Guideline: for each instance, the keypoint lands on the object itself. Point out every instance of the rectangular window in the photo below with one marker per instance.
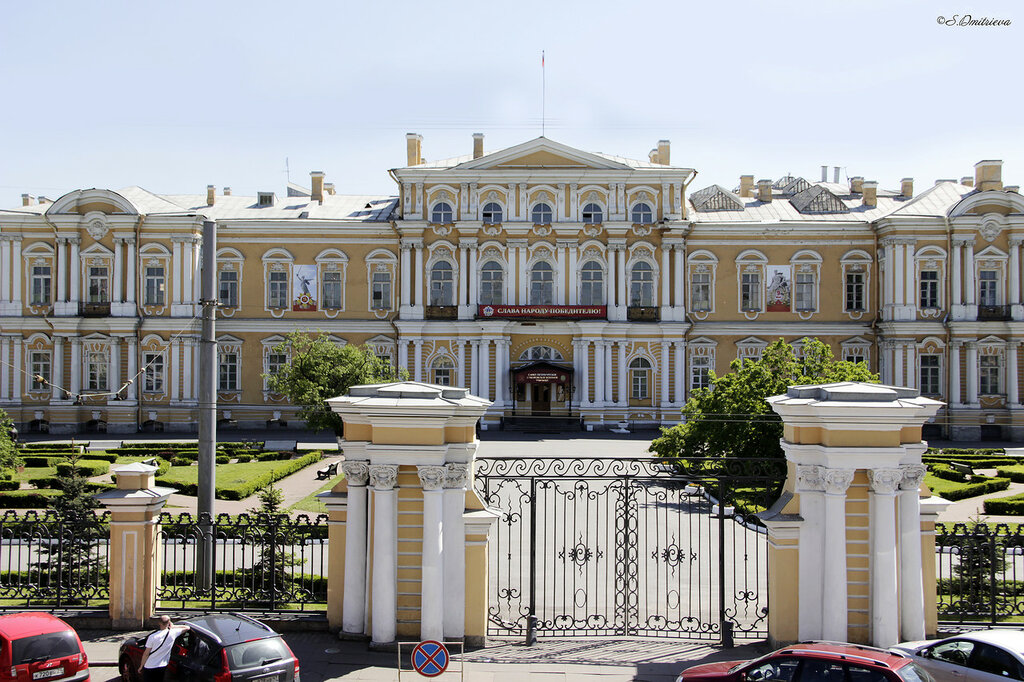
(700, 372)
(154, 377)
(988, 287)
(41, 282)
(277, 290)
(331, 299)
(930, 375)
(929, 289)
(228, 288)
(227, 372)
(855, 292)
(492, 286)
(641, 380)
(96, 368)
(750, 291)
(988, 375)
(155, 284)
(275, 361)
(98, 288)
(380, 291)
(443, 376)
(39, 365)
(700, 291)
(805, 298)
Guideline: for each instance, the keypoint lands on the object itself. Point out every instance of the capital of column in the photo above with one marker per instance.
(456, 476)
(383, 476)
(356, 472)
(517, 243)
(955, 343)
(567, 243)
(468, 242)
(971, 345)
(411, 243)
(885, 481)
(836, 481)
(963, 240)
(432, 477)
(74, 241)
(1016, 240)
(810, 478)
(913, 475)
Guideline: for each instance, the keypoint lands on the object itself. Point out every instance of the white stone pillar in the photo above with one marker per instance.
(1016, 309)
(16, 275)
(972, 373)
(353, 615)
(432, 576)
(885, 617)
(953, 394)
(132, 273)
(609, 381)
(810, 486)
(76, 367)
(910, 565)
(176, 267)
(474, 295)
(406, 265)
(834, 601)
(970, 282)
(572, 275)
(1012, 387)
(680, 371)
(620, 280)
(114, 368)
(57, 370)
(403, 354)
(197, 273)
(133, 368)
(174, 351)
(463, 275)
(5, 268)
(385, 552)
(623, 376)
(665, 277)
(501, 372)
(912, 372)
(417, 280)
(186, 364)
(117, 289)
(583, 351)
(485, 370)
(454, 539)
(474, 367)
(417, 359)
(957, 271)
(5, 369)
(680, 277)
(559, 296)
(888, 281)
(62, 269)
(899, 278)
(19, 366)
(663, 370)
(897, 365)
(599, 372)
(460, 364)
(75, 272)
(187, 259)
(909, 274)
(522, 274)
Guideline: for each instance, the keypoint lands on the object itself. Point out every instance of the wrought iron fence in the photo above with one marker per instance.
(979, 574)
(629, 546)
(54, 561)
(245, 562)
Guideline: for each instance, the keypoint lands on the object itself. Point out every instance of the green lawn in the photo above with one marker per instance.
(236, 481)
(310, 503)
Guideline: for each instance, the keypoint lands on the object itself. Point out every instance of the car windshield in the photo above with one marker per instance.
(752, 663)
(256, 653)
(43, 647)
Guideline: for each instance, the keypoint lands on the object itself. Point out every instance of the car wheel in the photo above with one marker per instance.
(128, 673)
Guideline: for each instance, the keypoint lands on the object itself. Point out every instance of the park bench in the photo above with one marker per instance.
(327, 471)
(964, 469)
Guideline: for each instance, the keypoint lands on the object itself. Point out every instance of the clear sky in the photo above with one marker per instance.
(173, 96)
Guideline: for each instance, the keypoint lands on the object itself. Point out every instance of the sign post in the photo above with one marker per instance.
(429, 658)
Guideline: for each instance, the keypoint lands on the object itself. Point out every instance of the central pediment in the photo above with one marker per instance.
(542, 153)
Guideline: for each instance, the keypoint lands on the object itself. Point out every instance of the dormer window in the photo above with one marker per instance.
(442, 213)
(642, 214)
(592, 214)
(492, 213)
(264, 199)
(542, 214)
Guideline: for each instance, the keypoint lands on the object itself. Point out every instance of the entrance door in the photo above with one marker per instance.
(541, 400)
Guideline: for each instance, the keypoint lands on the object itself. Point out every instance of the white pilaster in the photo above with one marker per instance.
(622, 376)
(971, 304)
(810, 486)
(16, 383)
(353, 615)
(406, 266)
(620, 281)
(474, 295)
(417, 359)
(474, 367)
(956, 309)
(665, 277)
(899, 278)
(176, 272)
(133, 369)
(186, 374)
(680, 371)
(174, 351)
(403, 354)
(1012, 387)
(953, 393)
(432, 576)
(561, 280)
(454, 539)
(460, 365)
(501, 372)
(75, 274)
(910, 565)
(888, 280)
(599, 373)
(572, 274)
(117, 289)
(61, 276)
(76, 367)
(912, 372)
(5, 369)
(385, 553)
(583, 351)
(885, 617)
(57, 370)
(972, 373)
(898, 355)
(609, 380)
(909, 298)
(834, 601)
(130, 245)
(485, 370)
(463, 298)
(417, 281)
(521, 273)
(5, 269)
(114, 368)
(16, 276)
(1016, 309)
(663, 371)
(679, 299)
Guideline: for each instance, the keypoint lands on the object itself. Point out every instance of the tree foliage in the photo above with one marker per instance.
(9, 458)
(79, 532)
(733, 418)
(319, 368)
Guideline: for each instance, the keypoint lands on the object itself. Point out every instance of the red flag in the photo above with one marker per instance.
(542, 59)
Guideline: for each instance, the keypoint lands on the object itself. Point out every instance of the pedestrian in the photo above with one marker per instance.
(153, 665)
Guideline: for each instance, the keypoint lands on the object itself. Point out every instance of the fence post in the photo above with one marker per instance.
(134, 554)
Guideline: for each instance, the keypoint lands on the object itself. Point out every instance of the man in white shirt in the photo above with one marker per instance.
(158, 650)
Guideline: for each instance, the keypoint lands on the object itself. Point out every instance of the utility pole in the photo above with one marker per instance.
(207, 406)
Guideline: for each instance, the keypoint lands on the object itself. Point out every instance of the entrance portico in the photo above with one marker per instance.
(542, 389)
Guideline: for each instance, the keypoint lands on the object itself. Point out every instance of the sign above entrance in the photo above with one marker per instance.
(570, 312)
(542, 373)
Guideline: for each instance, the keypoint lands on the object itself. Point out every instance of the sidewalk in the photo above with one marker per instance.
(324, 657)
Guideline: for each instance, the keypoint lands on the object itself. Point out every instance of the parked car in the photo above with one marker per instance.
(814, 662)
(981, 655)
(40, 646)
(223, 647)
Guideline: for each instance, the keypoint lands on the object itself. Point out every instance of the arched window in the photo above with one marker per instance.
(492, 213)
(640, 378)
(442, 213)
(542, 284)
(591, 284)
(492, 283)
(642, 214)
(542, 214)
(442, 371)
(641, 285)
(540, 353)
(442, 284)
(592, 214)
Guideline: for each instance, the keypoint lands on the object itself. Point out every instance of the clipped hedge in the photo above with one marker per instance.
(1009, 506)
(9, 485)
(974, 462)
(100, 454)
(1014, 472)
(965, 451)
(980, 485)
(35, 461)
(247, 488)
(6, 475)
(273, 456)
(87, 467)
(63, 447)
(44, 482)
(27, 499)
(946, 472)
(223, 459)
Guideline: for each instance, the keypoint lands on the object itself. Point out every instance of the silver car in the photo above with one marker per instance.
(983, 655)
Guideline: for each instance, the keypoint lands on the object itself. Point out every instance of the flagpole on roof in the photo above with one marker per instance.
(543, 95)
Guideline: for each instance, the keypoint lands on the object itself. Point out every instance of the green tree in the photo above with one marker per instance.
(319, 369)
(9, 458)
(275, 539)
(733, 418)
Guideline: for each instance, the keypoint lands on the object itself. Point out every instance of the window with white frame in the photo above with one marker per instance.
(98, 284)
(227, 370)
(749, 351)
(988, 375)
(492, 213)
(442, 284)
(640, 378)
(41, 285)
(275, 361)
(988, 287)
(806, 288)
(930, 374)
(591, 283)
(227, 288)
(97, 366)
(592, 214)
(855, 300)
(700, 290)
(642, 213)
(542, 214)
(492, 283)
(442, 213)
(442, 371)
(641, 285)
(928, 282)
(331, 284)
(750, 290)
(380, 290)
(153, 364)
(154, 285)
(40, 367)
(539, 353)
(277, 289)
(542, 284)
(855, 353)
(700, 372)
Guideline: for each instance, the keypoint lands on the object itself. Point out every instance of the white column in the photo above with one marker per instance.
(353, 611)
(186, 374)
(175, 364)
(599, 372)
(910, 300)
(197, 272)
(897, 365)
(501, 372)
(432, 594)
(186, 271)
(75, 271)
(461, 363)
(474, 367)
(485, 370)
(583, 350)
(663, 369)
(76, 367)
(958, 291)
(474, 295)
(666, 278)
(117, 295)
(133, 368)
(418, 276)
(680, 371)
(1016, 309)
(57, 369)
(834, 602)
(953, 394)
(114, 369)
(1012, 389)
(5, 370)
(561, 297)
(463, 275)
(912, 372)
(609, 380)
(176, 269)
(680, 276)
(385, 552)
(969, 281)
(620, 280)
(888, 287)
(622, 376)
(571, 275)
(417, 359)
(62, 269)
(406, 274)
(16, 376)
(403, 354)
(523, 275)
(5, 268)
(810, 487)
(896, 250)
(972, 373)
(911, 578)
(132, 275)
(885, 618)
(16, 272)
(454, 539)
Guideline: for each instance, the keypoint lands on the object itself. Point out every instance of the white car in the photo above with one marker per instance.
(982, 655)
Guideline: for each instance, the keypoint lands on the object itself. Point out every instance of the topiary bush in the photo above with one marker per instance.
(223, 459)
(27, 499)
(946, 472)
(7, 484)
(87, 467)
(1008, 506)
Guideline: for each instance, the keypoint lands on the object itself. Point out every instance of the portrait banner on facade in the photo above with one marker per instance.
(779, 289)
(304, 286)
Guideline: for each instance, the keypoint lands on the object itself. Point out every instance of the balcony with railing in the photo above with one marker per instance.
(94, 309)
(442, 312)
(994, 313)
(643, 313)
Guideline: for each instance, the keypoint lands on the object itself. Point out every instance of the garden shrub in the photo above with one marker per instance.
(7, 484)
(947, 472)
(88, 467)
(27, 499)
(35, 461)
(979, 485)
(1009, 506)
(223, 459)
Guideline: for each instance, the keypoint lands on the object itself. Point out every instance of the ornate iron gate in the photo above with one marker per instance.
(629, 547)
(979, 574)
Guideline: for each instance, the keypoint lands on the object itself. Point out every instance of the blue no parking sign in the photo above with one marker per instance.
(430, 658)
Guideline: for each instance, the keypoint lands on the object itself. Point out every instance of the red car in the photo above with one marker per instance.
(814, 662)
(39, 646)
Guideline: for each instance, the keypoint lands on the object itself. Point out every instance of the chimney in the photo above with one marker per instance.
(907, 187)
(27, 200)
(211, 194)
(764, 191)
(824, 173)
(413, 149)
(653, 155)
(316, 179)
(870, 190)
(988, 175)
(746, 185)
(478, 145)
(967, 180)
(664, 152)
(856, 184)
(227, 191)
(329, 188)
(835, 174)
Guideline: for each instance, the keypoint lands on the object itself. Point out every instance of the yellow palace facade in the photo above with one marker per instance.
(582, 288)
